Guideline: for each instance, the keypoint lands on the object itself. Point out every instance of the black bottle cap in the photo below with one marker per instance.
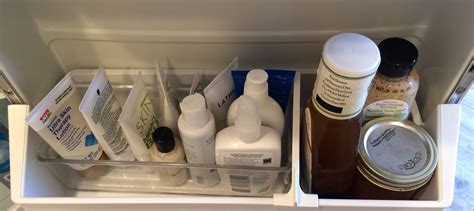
(164, 139)
(398, 57)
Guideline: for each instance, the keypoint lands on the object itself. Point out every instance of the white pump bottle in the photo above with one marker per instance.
(270, 112)
(248, 143)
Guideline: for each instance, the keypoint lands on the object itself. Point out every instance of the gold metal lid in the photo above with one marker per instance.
(396, 155)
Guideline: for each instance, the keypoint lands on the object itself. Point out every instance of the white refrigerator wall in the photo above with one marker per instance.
(209, 33)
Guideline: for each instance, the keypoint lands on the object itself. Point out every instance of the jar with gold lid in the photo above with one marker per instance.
(396, 158)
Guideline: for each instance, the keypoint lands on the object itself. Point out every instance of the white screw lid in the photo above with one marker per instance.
(247, 121)
(351, 55)
(193, 108)
(256, 81)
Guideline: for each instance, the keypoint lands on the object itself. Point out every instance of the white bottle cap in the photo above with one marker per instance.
(351, 55)
(247, 121)
(256, 81)
(193, 108)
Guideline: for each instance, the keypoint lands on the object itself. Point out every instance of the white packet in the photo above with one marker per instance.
(168, 108)
(220, 93)
(101, 111)
(58, 121)
(198, 85)
(138, 120)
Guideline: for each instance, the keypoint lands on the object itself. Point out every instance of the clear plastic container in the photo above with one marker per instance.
(143, 177)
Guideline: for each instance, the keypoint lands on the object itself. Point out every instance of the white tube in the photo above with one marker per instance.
(101, 110)
(58, 121)
(220, 94)
(168, 108)
(138, 120)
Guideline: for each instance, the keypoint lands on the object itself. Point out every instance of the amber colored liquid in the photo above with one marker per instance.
(334, 151)
(364, 189)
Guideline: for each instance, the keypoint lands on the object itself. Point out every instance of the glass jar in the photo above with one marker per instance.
(396, 158)
(395, 85)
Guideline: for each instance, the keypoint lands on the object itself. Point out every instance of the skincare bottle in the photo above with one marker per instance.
(197, 129)
(168, 149)
(256, 87)
(248, 143)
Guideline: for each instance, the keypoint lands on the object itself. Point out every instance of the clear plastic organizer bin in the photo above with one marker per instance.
(143, 177)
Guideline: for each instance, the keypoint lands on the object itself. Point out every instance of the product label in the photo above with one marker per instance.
(200, 151)
(391, 107)
(106, 113)
(248, 159)
(147, 121)
(337, 96)
(63, 127)
(396, 150)
(248, 181)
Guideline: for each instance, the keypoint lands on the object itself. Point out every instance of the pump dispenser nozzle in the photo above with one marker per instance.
(256, 83)
(248, 122)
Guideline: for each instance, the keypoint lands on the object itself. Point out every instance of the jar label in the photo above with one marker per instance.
(337, 96)
(394, 108)
(396, 150)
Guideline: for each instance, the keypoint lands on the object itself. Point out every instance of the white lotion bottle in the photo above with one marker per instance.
(256, 87)
(248, 143)
(197, 129)
(168, 149)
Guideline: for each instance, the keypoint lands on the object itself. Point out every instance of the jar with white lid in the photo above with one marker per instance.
(332, 116)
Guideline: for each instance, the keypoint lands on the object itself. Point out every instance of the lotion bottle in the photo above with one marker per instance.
(256, 87)
(248, 143)
(168, 149)
(197, 129)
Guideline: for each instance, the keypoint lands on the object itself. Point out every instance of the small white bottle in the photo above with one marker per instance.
(256, 87)
(248, 143)
(169, 149)
(197, 129)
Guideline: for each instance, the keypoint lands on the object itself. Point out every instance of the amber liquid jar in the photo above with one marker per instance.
(396, 159)
(334, 153)
(333, 114)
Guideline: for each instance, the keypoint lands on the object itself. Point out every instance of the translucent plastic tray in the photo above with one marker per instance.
(136, 176)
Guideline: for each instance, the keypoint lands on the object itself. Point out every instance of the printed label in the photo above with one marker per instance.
(63, 127)
(147, 121)
(337, 96)
(396, 150)
(248, 159)
(106, 113)
(248, 181)
(393, 108)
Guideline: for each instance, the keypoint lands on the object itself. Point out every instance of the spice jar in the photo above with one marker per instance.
(396, 158)
(394, 87)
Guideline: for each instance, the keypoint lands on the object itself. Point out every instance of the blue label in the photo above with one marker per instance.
(90, 140)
